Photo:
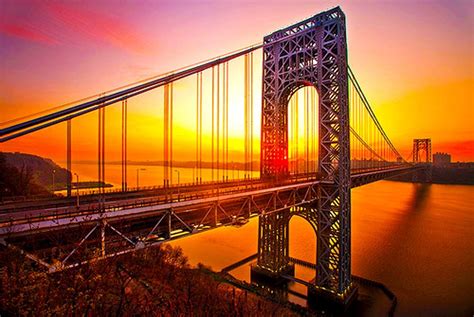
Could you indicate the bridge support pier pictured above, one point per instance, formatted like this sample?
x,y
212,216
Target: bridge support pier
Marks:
x,y
322,298
265,276
273,246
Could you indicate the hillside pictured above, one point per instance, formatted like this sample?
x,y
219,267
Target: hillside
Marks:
x,y
40,168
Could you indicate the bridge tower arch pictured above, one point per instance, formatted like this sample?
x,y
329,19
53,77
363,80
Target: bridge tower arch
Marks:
x,y
311,52
422,156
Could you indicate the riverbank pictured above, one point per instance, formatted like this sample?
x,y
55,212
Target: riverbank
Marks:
x,y
454,174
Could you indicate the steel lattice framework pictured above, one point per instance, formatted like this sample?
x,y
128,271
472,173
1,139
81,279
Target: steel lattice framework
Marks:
x,y
419,146
312,52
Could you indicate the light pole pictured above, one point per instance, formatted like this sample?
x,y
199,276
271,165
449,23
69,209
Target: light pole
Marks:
x,y
54,174
178,182
77,190
178,175
138,176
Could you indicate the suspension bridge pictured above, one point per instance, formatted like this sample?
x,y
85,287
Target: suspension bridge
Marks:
x,y
318,138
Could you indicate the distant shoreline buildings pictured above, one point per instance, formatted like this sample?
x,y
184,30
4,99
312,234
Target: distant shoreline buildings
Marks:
x,y
441,159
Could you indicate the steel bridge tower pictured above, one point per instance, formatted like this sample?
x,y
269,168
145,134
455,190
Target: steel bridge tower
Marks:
x,y
421,146
422,155
310,53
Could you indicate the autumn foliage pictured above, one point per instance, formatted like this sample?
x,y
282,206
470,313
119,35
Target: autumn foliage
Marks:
x,y
152,282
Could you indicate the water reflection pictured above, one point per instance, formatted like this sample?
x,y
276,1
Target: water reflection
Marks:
x,y
415,239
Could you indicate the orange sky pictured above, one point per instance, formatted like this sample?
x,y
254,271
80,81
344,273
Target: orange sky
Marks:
x,y
413,60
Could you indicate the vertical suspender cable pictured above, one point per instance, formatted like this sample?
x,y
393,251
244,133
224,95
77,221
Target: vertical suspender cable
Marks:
x,y
166,135
99,141
212,137
218,117
305,100
227,120
122,146
251,114
224,97
313,136
200,127
296,132
103,149
246,95
307,114
68,158
171,133
126,145
196,158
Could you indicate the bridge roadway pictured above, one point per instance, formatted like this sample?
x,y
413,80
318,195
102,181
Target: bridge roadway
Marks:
x,y
180,199
63,237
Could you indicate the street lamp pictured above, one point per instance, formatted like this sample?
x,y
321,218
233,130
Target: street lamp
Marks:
x,y
178,175
138,176
77,190
178,182
54,174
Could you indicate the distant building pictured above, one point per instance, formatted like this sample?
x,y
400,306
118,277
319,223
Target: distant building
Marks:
x,y
440,159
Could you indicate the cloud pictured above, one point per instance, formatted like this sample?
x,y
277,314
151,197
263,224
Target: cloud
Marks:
x,y
97,26
26,33
55,22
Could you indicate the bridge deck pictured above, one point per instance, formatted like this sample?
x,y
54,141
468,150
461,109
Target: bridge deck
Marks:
x,y
200,195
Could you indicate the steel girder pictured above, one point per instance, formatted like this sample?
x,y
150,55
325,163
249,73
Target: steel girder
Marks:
x,y
312,52
166,222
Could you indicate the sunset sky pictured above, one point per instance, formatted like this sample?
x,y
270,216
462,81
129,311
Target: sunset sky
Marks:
x,y
414,60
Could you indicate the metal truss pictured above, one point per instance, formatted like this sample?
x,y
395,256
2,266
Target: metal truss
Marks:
x,y
313,53
167,222
419,146
422,146
106,233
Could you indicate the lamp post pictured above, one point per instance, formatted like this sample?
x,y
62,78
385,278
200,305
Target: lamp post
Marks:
x,y
177,171
77,190
138,176
54,180
178,182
